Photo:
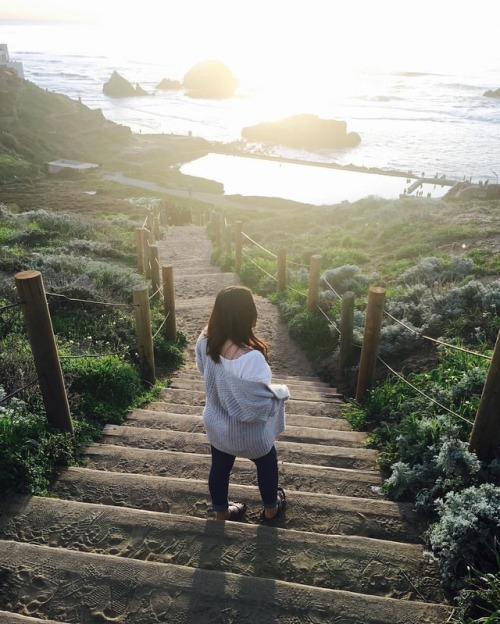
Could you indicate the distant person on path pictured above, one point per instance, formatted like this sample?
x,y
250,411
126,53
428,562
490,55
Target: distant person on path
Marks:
x,y
244,413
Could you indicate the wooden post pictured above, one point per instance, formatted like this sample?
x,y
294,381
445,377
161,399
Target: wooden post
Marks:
x,y
140,250
373,323
216,228
144,334
145,249
346,330
227,237
155,271
281,271
31,291
169,302
485,435
313,289
150,224
238,250
156,227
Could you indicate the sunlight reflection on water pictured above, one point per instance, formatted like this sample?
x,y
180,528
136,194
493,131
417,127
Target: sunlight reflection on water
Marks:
x,y
297,182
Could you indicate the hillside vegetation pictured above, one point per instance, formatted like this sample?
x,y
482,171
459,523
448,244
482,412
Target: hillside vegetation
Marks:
x,y
438,260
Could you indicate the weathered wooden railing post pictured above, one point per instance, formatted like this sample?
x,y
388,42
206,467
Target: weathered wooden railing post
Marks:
x,y
156,227
150,225
238,245
485,435
140,249
217,228
146,241
227,236
346,330
169,302
313,288
31,292
144,334
373,324
155,271
281,270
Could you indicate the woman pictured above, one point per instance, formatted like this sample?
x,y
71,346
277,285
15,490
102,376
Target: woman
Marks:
x,y
244,413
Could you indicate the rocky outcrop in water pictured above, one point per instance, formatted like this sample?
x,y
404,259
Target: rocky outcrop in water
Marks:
x,y
119,87
303,132
210,79
491,93
167,84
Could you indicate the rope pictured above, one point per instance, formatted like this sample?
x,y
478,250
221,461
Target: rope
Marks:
x,y
423,393
331,287
12,394
330,322
11,305
260,246
89,301
440,342
96,355
297,291
162,324
299,264
263,270
158,290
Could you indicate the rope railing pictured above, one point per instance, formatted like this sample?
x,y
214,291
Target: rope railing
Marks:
x,y
18,391
10,306
103,303
373,321
435,340
408,383
273,255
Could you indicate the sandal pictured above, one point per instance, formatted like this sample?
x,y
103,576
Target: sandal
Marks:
x,y
237,511
281,501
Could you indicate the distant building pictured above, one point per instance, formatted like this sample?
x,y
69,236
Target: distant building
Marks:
x,y
5,61
56,166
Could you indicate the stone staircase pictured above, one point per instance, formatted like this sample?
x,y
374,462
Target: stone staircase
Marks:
x,y
128,536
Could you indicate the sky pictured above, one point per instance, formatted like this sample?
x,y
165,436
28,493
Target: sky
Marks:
x,y
259,33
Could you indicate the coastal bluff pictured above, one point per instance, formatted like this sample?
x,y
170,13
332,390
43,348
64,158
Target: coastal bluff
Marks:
x,y
303,131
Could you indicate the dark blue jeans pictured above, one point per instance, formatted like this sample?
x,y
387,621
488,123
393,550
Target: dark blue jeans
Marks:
x,y
267,478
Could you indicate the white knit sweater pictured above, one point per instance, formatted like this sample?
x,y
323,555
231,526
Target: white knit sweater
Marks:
x,y
242,417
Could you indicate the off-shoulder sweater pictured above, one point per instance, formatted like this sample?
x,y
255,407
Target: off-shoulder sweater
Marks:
x,y
242,417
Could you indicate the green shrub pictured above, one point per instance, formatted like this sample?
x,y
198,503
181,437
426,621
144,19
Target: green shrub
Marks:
x,y
30,449
101,389
465,537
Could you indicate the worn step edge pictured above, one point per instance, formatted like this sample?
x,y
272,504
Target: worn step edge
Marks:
x,y
306,382
334,416
381,568
296,392
132,591
294,420
300,477
306,511
295,452
15,618
191,423
296,406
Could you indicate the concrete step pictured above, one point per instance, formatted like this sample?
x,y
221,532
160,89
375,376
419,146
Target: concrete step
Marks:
x,y
132,592
306,511
293,406
194,424
155,411
382,568
300,477
294,452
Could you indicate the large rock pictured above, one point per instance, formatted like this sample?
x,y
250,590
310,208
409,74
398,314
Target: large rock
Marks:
x,y
120,87
303,132
167,84
491,93
210,79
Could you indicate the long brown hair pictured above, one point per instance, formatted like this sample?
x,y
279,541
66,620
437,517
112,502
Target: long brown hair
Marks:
x,y
233,317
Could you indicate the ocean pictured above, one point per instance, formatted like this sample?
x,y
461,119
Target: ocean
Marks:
x,y
424,122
